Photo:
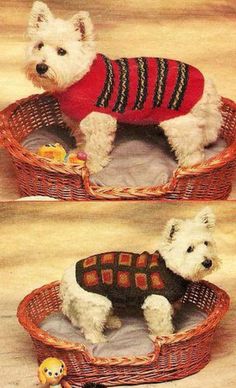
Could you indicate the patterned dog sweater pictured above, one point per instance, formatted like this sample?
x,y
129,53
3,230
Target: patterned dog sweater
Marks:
x,y
126,279
135,90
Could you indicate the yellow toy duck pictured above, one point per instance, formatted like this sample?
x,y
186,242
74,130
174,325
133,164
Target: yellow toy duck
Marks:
x,y
52,151
51,372
57,153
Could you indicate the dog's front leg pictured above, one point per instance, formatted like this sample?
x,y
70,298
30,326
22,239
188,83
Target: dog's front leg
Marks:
x,y
74,127
99,132
158,314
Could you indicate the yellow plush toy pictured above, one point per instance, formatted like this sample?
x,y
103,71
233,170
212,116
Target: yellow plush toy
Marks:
x,y
51,371
52,151
58,153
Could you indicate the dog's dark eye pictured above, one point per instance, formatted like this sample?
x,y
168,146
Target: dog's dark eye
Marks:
x,y
190,249
206,243
50,373
40,45
45,370
61,51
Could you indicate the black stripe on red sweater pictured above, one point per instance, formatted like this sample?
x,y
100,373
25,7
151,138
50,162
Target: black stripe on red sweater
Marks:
x,y
142,83
162,65
180,87
103,99
123,90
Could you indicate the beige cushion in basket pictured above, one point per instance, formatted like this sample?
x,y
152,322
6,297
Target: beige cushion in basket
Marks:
x,y
141,157
130,340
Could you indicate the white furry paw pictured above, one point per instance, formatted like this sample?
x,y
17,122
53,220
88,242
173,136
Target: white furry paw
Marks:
x,y
113,322
190,160
152,337
96,165
96,338
169,329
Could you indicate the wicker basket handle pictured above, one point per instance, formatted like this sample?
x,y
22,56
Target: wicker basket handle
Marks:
x,y
104,192
129,361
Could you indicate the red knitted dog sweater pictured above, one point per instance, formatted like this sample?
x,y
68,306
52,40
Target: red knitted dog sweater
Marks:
x,y
128,278
135,90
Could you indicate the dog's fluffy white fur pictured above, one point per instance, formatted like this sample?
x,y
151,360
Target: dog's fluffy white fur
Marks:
x,y
93,312
187,134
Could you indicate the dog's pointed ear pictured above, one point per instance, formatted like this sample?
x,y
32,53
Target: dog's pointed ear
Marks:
x,y
40,16
206,217
41,374
64,368
83,25
172,227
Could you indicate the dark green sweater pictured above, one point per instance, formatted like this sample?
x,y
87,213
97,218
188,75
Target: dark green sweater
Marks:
x,y
126,279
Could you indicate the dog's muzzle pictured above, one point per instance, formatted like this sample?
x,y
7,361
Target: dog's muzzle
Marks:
x,y
41,68
207,263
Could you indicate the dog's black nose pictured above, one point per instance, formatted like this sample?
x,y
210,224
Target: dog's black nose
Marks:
x,y
41,68
207,263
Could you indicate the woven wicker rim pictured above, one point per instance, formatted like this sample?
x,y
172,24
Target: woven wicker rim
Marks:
x,y
21,153
206,325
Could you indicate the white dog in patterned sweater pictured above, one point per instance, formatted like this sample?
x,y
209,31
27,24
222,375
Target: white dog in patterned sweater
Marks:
x,y
151,282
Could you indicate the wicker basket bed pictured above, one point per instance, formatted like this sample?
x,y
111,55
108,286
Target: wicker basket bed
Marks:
x,y
212,179
173,357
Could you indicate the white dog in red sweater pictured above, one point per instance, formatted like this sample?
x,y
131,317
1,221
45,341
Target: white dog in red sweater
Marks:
x,y
95,92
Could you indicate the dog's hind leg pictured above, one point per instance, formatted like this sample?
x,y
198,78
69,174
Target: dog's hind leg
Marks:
x,y
88,311
93,320
90,316
158,315
99,131
185,136
208,110
189,134
113,321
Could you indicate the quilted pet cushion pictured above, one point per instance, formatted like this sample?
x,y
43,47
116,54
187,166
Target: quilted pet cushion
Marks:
x,y
122,342
141,156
